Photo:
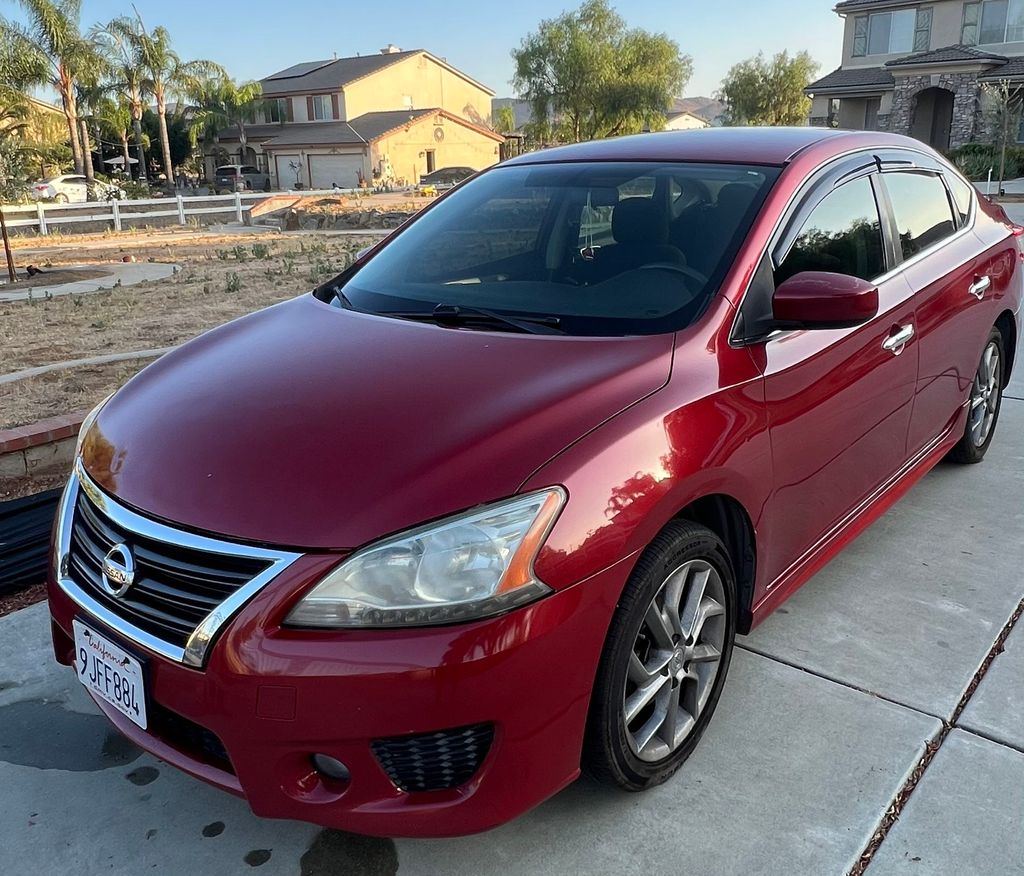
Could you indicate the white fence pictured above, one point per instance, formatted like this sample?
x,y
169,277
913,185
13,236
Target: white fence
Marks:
x,y
44,216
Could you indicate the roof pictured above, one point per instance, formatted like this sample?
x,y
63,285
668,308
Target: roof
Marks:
x,y
772,146
852,78
361,130
335,73
948,55
252,132
1012,69
847,5
707,108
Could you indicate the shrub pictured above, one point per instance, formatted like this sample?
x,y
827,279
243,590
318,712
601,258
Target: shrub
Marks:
x,y
975,159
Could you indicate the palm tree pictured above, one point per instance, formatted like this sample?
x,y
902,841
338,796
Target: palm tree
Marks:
x,y
116,119
88,96
220,103
123,43
51,42
167,75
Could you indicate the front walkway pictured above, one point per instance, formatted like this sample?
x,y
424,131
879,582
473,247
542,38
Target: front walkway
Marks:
x,y
829,707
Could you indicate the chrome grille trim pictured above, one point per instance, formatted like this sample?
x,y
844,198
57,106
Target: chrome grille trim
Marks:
x,y
195,651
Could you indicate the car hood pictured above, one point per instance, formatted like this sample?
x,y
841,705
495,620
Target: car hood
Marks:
x,y
309,426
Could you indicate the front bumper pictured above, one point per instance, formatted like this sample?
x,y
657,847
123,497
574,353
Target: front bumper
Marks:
x,y
274,696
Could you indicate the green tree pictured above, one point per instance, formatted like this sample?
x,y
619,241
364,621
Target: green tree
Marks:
x,y
122,45
595,77
505,120
116,121
219,103
53,46
166,75
760,92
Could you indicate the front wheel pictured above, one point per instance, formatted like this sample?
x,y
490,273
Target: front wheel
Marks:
x,y
665,659
986,400
60,198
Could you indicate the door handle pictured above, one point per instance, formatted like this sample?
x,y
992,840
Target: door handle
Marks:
x,y
898,339
980,286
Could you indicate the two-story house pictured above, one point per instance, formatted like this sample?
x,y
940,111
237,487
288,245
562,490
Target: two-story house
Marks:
x,y
918,68
390,116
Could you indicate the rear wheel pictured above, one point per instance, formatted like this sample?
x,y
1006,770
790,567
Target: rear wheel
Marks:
x,y
60,198
665,659
986,400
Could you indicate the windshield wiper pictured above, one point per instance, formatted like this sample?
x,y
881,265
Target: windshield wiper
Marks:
x,y
459,314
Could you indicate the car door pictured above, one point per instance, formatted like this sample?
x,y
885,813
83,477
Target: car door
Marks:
x,y
76,188
944,265
838,400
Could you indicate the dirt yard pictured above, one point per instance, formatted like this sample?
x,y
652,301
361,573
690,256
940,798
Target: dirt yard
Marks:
x,y
45,277
219,279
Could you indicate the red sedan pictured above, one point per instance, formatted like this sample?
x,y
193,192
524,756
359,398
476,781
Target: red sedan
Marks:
x,y
403,555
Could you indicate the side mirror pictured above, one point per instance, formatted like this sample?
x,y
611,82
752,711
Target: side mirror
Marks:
x,y
821,300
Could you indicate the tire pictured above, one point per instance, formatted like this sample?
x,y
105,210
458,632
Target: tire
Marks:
x,y
60,198
682,558
986,401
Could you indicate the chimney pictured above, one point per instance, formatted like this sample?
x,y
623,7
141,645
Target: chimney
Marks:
x,y
390,49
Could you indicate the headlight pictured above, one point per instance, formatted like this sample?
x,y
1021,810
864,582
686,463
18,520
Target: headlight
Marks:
x,y
469,566
90,418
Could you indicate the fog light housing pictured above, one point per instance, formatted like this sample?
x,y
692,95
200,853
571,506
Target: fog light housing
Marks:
x,y
331,768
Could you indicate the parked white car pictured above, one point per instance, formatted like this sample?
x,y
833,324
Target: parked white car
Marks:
x,y
71,188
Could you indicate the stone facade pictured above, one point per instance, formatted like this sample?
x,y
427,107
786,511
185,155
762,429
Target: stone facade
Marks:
x,y
966,103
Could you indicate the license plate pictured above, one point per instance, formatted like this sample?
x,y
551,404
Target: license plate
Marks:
x,y
108,671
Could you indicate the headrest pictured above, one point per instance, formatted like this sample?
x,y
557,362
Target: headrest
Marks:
x,y
639,220
736,197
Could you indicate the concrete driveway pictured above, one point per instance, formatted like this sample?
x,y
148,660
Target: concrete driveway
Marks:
x,y
829,708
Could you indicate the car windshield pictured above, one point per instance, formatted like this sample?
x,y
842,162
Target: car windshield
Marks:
x,y
609,248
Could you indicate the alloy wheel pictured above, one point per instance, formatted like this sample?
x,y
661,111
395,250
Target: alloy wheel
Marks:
x,y
674,660
985,394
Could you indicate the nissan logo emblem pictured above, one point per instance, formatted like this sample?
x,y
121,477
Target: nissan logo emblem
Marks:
x,y
118,570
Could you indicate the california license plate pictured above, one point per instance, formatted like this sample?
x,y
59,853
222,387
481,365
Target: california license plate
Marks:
x,y
110,673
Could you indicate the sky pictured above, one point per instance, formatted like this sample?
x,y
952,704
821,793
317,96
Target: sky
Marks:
x,y
261,36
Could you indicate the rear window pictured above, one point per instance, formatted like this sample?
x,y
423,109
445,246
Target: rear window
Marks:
x,y
921,208
603,247
227,170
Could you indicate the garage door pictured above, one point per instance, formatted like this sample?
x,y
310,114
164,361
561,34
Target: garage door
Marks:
x,y
326,171
285,174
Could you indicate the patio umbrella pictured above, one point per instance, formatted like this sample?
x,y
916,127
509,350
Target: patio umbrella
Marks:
x,y
119,161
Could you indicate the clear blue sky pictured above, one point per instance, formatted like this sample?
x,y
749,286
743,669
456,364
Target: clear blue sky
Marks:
x,y
261,36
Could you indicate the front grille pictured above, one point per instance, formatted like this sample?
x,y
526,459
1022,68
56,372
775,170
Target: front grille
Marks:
x,y
175,587
188,737
434,761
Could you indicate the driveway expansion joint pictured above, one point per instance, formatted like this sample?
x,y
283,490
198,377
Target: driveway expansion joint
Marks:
x,y
840,682
899,801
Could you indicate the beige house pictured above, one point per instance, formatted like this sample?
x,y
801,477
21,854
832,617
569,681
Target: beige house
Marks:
x,y
918,68
393,116
684,121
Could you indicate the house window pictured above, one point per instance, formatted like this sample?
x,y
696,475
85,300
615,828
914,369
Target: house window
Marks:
x,y
277,110
889,33
322,107
992,22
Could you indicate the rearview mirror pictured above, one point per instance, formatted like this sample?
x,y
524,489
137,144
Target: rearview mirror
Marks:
x,y
821,300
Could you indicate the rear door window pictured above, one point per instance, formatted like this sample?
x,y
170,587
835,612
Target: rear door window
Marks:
x,y
921,208
963,196
842,235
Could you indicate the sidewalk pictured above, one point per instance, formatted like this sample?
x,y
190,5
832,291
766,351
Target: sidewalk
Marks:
x,y
828,709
